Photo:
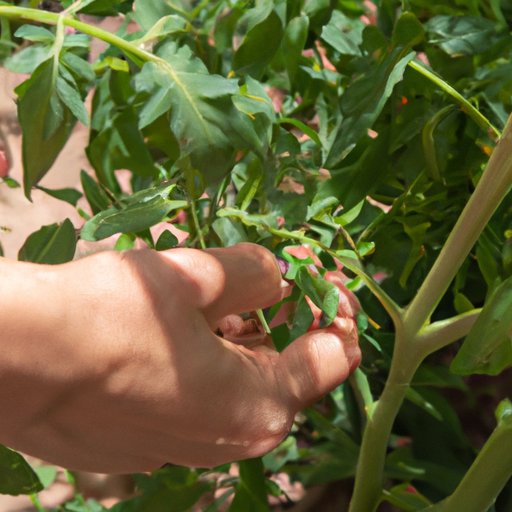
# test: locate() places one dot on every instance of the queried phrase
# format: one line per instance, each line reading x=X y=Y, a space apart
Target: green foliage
x=16 y=475
x=285 y=122
x=494 y=325
x=172 y=489
x=51 y=244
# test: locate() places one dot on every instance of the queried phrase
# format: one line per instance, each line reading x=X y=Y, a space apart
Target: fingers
x=228 y=280
x=317 y=362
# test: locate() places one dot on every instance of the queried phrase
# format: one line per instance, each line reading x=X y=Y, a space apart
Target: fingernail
x=286 y=288
x=283 y=265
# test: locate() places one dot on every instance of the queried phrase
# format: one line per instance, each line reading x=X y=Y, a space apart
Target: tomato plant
x=365 y=133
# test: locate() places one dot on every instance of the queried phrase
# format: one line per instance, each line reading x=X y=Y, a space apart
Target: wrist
x=29 y=313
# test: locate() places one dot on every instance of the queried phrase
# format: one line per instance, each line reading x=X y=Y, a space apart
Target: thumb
x=317 y=362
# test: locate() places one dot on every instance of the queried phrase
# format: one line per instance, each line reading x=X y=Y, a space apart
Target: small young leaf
x=323 y=294
x=406 y=497
x=95 y=195
x=53 y=244
x=125 y=242
x=16 y=476
x=303 y=318
x=69 y=195
x=140 y=211
x=46 y=474
x=72 y=99
x=166 y=241
x=35 y=34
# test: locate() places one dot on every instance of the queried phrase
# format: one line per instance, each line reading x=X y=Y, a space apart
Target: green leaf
x=172 y=489
x=166 y=241
x=404 y=465
x=45 y=123
x=261 y=42
x=28 y=59
x=406 y=497
x=364 y=100
x=251 y=493
x=287 y=451
x=323 y=294
x=408 y=31
x=95 y=195
x=46 y=474
x=35 y=34
x=148 y=13
x=140 y=211
x=120 y=145
x=165 y=26
x=16 y=476
x=488 y=347
x=53 y=244
x=125 y=242
x=352 y=183
x=344 y=34
x=203 y=117
x=70 y=96
x=504 y=411
x=292 y=46
x=303 y=318
x=69 y=195
x=303 y=127
x=421 y=401
x=229 y=231
x=462 y=35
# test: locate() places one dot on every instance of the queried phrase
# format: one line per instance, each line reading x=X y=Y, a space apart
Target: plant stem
x=197 y=225
x=263 y=321
x=464 y=104
x=34 y=498
x=490 y=191
x=486 y=477
x=49 y=18
x=440 y=334
x=387 y=302
x=372 y=457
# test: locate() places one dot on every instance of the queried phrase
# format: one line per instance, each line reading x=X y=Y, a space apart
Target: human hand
x=116 y=367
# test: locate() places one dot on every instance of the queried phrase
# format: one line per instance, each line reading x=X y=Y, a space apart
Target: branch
x=486 y=477
x=464 y=104
x=134 y=52
x=440 y=334
x=490 y=191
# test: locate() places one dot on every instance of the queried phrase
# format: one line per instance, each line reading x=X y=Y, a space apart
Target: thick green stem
x=487 y=476
x=490 y=191
x=372 y=457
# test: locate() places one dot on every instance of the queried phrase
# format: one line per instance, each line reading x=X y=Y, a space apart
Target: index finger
x=223 y=281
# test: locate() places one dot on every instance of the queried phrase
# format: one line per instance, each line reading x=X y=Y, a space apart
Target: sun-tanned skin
x=111 y=363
